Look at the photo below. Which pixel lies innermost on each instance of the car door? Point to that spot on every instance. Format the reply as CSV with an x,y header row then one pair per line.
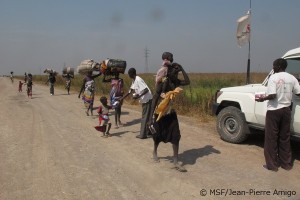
x,y
295,124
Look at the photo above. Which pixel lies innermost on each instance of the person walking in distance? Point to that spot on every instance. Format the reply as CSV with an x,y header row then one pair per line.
x,y
29,86
68,78
20,86
25,77
51,80
280,89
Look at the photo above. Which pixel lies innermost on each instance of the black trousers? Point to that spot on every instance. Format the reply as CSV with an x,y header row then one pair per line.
x,y
277,148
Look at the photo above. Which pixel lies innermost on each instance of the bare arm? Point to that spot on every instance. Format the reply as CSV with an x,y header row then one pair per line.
x,y
82,87
186,80
268,97
126,95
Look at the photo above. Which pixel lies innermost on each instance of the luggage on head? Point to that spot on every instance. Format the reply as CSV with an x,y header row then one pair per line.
x,y
87,66
68,70
112,66
49,71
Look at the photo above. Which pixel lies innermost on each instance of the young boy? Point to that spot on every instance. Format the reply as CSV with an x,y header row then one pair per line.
x,y
20,86
104,120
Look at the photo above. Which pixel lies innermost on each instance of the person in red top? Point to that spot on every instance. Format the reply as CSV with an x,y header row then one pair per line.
x,y
104,120
20,86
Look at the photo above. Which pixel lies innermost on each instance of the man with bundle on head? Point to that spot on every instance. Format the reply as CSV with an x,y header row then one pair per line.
x,y
51,79
164,123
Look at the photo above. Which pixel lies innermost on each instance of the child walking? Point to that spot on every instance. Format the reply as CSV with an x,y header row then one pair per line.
x,y
104,121
20,86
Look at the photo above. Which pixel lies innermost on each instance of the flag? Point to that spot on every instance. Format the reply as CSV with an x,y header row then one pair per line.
x,y
243,29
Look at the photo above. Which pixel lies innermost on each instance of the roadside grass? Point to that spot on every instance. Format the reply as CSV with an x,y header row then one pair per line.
x,y
195,100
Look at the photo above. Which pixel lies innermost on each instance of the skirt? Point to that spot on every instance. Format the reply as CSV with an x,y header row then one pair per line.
x,y
167,129
88,98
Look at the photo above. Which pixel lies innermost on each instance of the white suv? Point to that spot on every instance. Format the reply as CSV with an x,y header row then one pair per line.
x,y
237,110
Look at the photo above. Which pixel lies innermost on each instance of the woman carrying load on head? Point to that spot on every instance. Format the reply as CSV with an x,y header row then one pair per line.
x,y
68,78
88,89
116,94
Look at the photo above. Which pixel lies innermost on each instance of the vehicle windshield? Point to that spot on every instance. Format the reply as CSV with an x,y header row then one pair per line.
x,y
294,67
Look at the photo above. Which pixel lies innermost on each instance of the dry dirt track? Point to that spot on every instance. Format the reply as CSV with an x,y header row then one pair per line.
x,y
50,150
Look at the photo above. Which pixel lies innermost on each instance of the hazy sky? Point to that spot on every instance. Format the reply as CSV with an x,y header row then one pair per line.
x,y
38,34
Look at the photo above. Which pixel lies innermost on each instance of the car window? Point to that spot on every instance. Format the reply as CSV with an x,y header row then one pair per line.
x,y
294,67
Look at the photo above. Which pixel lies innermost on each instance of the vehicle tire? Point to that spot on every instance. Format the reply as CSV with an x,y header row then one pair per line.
x,y
232,126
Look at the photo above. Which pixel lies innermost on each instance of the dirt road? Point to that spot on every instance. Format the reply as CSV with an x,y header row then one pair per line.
x,y
50,150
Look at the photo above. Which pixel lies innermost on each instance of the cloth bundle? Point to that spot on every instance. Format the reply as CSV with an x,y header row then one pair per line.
x,y
112,66
49,71
68,70
88,66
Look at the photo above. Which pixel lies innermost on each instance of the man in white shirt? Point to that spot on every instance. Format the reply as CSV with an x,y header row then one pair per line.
x,y
142,92
277,147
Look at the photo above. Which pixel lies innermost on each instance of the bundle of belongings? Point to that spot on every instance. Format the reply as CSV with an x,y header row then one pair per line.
x,y
165,105
50,71
87,66
68,70
112,66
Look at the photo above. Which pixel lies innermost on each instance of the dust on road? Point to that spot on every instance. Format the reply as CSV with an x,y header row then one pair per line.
x,y
50,150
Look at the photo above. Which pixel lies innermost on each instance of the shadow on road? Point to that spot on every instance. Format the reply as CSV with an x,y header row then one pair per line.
x,y
118,134
133,122
190,157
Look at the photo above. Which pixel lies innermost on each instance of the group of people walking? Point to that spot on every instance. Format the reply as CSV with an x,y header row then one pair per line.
x,y
28,83
159,119
161,127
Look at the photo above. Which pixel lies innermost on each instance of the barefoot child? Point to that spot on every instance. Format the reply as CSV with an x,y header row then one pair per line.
x,y
20,86
104,121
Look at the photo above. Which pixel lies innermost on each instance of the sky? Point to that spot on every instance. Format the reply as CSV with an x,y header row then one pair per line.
x,y
201,34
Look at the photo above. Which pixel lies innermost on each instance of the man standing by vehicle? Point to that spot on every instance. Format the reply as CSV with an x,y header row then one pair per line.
x,y
277,147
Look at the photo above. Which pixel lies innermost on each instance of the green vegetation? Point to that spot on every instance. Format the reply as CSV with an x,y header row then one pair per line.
x,y
195,100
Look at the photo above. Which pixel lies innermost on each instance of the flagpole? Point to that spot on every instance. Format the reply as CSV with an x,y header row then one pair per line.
x,y
248,62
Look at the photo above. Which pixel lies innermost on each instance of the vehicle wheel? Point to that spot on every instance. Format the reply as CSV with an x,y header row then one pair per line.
x,y
231,125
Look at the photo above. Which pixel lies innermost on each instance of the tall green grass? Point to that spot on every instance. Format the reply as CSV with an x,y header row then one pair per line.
x,y
195,100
